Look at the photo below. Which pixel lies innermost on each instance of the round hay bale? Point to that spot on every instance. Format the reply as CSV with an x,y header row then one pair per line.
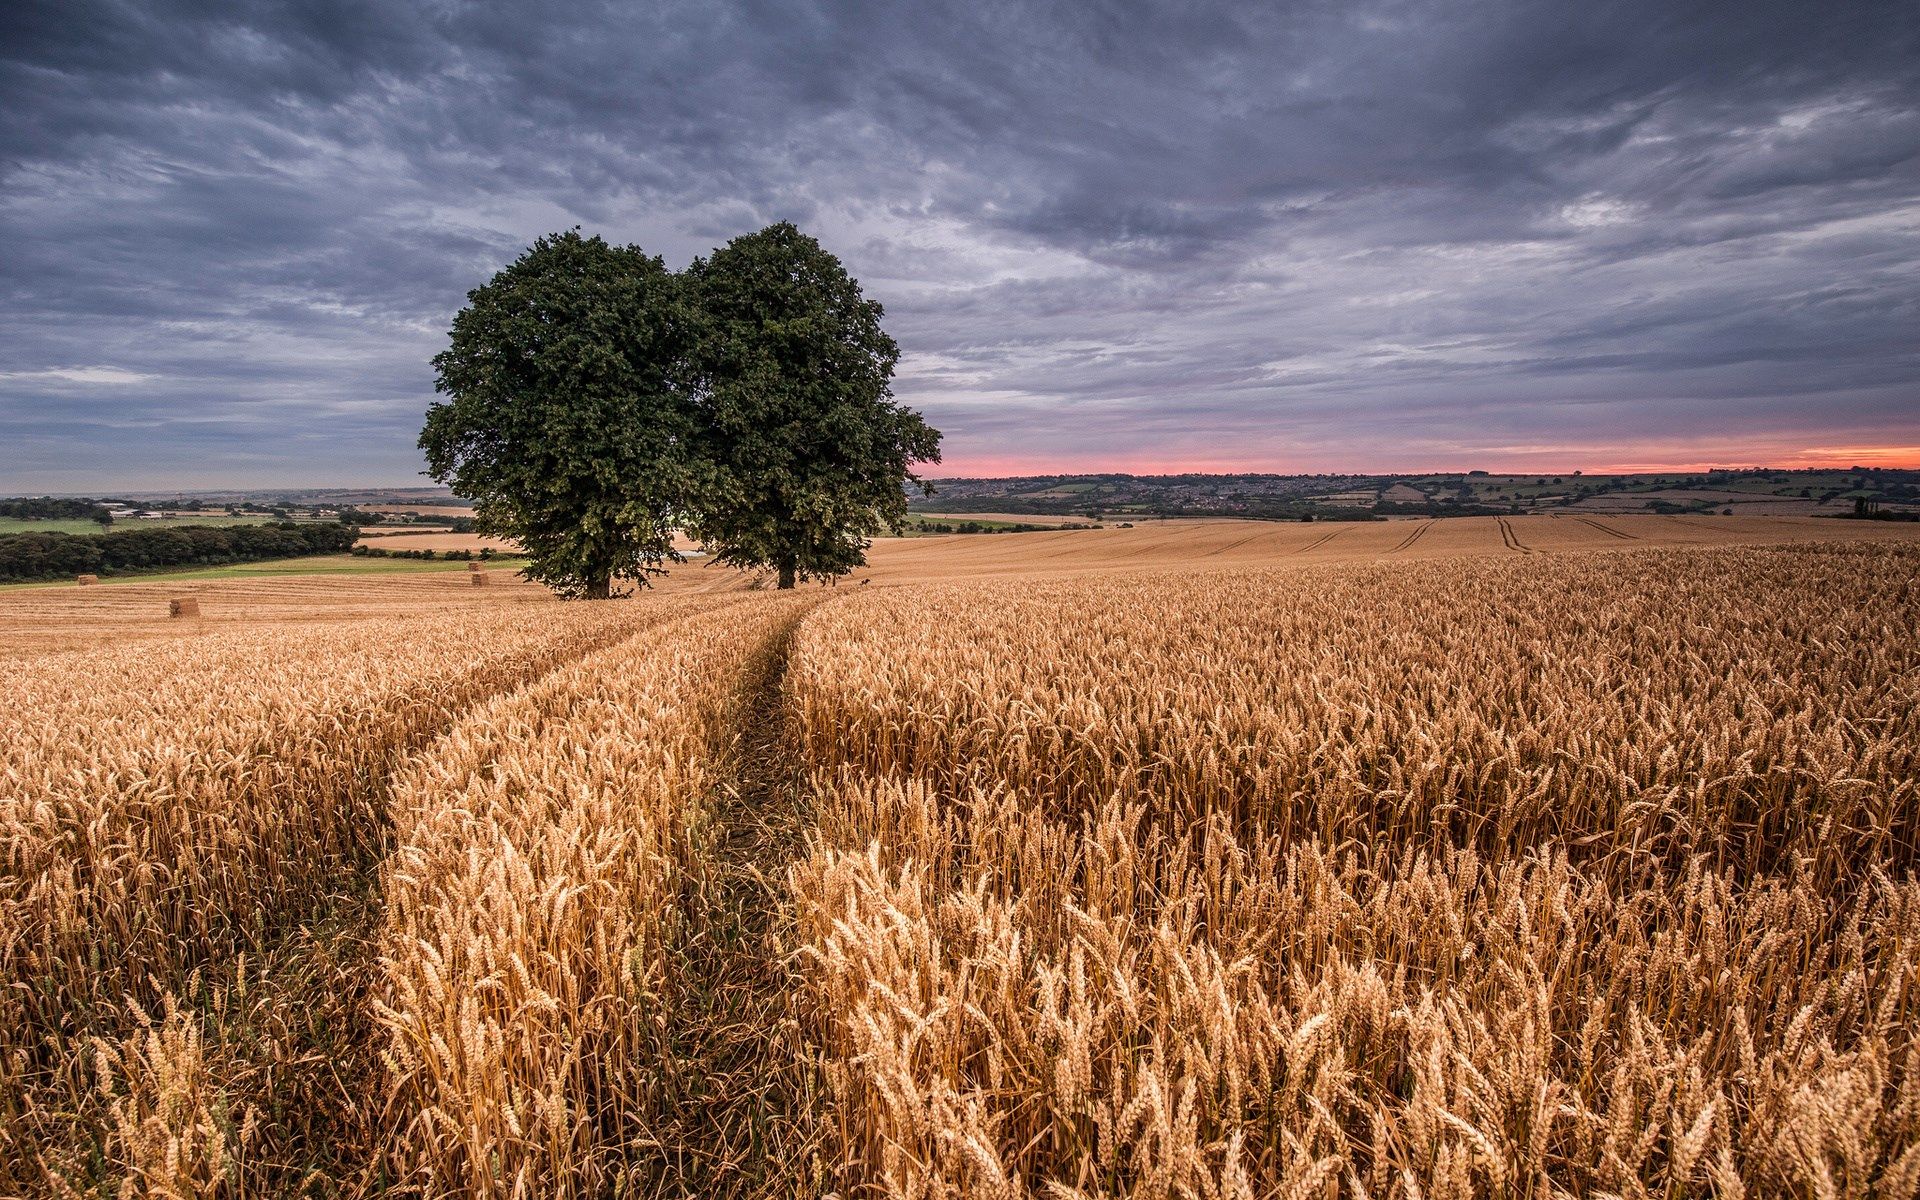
x,y
86,580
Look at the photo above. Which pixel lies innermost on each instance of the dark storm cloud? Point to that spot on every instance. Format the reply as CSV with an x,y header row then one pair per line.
x,y
1312,234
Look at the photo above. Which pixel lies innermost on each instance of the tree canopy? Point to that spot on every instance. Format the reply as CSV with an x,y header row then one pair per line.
x,y
565,423
598,403
807,454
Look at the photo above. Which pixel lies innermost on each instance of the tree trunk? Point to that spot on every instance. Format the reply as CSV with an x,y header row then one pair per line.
x,y
600,587
787,568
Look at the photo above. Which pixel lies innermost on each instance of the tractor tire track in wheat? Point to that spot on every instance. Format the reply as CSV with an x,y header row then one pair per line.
x,y
733,1127
1320,541
1609,530
268,998
1408,541
1512,539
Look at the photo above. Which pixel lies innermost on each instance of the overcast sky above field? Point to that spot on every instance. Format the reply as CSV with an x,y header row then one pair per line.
x,y
1346,235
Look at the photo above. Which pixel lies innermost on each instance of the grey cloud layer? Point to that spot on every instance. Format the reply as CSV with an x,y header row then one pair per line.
x,y
1339,234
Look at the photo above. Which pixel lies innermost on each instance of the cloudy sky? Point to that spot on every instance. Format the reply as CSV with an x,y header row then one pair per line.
x,y
1339,235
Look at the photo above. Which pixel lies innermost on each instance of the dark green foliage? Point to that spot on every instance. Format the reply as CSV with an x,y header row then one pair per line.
x,y
25,556
598,403
806,456
29,556
44,508
563,422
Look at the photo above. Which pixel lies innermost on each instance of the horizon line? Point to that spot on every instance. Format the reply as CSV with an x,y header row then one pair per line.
x,y
1863,463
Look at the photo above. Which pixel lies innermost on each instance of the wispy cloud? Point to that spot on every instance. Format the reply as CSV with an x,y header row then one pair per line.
x,y
101,376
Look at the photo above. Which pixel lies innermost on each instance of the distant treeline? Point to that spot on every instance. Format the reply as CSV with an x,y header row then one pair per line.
x,y
46,508
926,526
1427,508
31,556
1280,512
364,518
484,554
1879,514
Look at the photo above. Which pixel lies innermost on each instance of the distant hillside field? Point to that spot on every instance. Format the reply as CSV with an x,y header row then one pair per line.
x,y
435,540
424,510
1291,497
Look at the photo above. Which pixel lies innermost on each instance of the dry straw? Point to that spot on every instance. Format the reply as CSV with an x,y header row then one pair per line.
x,y
1528,878
173,815
1544,876
532,903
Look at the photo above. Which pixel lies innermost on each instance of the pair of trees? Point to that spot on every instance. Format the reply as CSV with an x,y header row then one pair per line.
x,y
598,403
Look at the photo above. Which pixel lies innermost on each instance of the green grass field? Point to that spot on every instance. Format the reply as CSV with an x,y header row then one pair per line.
x,y
327,564
916,524
318,564
20,525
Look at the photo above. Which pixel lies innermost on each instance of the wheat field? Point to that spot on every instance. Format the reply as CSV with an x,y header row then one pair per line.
x,y
1425,859
1463,878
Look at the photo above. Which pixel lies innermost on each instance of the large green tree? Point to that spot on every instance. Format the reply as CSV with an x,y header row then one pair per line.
x,y
564,422
804,453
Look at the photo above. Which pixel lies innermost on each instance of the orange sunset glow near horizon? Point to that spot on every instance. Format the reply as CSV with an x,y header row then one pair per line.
x,y
1507,461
